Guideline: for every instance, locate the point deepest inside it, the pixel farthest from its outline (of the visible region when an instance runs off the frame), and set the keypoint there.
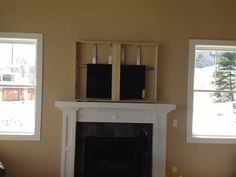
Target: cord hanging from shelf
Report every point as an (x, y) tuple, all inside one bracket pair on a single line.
[(110, 54), (138, 61), (94, 59), (122, 54)]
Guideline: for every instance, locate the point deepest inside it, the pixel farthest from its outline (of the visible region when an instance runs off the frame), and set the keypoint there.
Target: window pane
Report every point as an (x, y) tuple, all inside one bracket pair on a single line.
[(204, 70), (17, 110), (17, 66), (214, 117), (17, 88), (6, 54), (215, 70)]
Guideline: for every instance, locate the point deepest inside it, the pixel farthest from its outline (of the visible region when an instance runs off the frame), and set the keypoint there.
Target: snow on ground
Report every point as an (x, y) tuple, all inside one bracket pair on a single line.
[(213, 118), (17, 116)]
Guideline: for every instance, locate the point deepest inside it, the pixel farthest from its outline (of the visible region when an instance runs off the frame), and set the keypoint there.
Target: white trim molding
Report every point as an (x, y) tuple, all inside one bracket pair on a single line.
[(117, 113)]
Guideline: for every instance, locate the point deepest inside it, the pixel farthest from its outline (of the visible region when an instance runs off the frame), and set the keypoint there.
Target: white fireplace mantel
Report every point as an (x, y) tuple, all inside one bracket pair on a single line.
[(115, 112)]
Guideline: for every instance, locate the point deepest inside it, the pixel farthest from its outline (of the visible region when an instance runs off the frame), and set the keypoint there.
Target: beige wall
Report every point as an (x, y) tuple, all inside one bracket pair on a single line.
[(170, 22)]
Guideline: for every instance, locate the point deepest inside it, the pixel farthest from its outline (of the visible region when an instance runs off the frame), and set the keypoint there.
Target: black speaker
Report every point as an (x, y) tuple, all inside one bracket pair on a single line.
[(132, 85), (99, 81)]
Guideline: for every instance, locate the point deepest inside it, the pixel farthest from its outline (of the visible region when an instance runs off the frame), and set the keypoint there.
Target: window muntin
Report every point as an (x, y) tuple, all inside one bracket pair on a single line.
[(212, 92), (20, 86)]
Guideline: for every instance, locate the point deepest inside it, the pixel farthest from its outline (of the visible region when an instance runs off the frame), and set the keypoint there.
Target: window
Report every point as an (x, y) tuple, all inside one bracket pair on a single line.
[(211, 116), (20, 86)]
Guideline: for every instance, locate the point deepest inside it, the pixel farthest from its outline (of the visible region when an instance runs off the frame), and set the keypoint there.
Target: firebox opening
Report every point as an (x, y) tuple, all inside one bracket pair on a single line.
[(113, 150)]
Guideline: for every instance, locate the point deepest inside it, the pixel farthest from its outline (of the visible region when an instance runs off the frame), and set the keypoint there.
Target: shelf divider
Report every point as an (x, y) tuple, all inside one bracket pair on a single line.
[(116, 71)]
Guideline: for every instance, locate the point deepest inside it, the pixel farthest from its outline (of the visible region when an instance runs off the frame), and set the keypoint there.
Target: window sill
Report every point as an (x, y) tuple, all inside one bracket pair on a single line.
[(211, 140), (20, 137)]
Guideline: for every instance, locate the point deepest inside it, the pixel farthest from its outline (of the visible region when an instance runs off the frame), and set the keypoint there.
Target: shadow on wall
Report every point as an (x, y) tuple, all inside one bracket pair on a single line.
[(234, 162)]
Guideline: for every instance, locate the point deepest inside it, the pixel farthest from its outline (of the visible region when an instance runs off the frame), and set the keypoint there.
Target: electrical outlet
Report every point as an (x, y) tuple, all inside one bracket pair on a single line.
[(174, 170), (175, 123)]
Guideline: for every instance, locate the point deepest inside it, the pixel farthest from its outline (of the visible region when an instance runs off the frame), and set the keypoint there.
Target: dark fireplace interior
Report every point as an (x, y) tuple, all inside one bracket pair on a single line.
[(113, 150)]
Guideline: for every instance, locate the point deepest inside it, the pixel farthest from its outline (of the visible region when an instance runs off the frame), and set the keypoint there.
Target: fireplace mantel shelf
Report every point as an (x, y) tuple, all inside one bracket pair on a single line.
[(159, 108), (116, 112)]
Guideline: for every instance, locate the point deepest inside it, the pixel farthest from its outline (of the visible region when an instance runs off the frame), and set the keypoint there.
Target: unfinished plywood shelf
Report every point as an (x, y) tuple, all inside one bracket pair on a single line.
[(116, 54)]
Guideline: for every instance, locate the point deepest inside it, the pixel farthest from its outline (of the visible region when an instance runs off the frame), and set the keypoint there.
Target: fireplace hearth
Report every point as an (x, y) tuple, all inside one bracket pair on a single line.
[(104, 139)]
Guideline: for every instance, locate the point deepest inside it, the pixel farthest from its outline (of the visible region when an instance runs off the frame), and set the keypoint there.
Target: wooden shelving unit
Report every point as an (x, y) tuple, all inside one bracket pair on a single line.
[(127, 53)]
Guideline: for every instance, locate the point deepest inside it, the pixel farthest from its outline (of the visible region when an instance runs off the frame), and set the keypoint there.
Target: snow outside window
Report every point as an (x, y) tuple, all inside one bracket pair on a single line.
[(20, 86), (212, 92)]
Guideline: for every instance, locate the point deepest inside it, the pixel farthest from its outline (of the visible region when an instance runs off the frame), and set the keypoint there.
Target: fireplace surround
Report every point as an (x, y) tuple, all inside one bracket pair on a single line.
[(114, 112)]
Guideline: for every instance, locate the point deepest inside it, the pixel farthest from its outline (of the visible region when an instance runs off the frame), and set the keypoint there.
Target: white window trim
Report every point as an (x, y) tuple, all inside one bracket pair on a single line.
[(189, 136), (39, 75)]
